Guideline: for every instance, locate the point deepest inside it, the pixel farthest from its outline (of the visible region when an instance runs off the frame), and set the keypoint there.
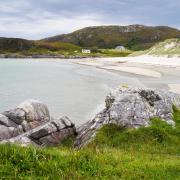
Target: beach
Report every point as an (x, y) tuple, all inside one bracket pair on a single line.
[(153, 72)]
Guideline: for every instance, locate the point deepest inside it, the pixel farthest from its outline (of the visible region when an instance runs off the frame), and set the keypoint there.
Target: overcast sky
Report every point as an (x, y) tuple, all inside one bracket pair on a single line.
[(35, 19)]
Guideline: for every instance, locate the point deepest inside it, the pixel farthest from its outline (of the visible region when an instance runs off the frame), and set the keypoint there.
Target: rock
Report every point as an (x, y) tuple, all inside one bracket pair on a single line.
[(31, 112), (4, 120), (16, 115), (8, 132), (28, 115), (130, 108), (49, 134), (30, 123), (35, 111)]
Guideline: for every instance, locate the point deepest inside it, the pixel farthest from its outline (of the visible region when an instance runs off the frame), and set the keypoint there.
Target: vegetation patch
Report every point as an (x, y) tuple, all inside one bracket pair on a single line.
[(170, 47), (115, 153)]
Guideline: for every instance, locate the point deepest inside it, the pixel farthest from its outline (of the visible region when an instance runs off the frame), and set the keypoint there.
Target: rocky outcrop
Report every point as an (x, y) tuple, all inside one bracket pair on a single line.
[(130, 108), (49, 134), (25, 117), (30, 123)]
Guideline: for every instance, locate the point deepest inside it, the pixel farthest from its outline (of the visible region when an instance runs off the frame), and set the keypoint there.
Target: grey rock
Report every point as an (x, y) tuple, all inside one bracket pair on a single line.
[(131, 107), (35, 111), (6, 121), (31, 124), (8, 132), (28, 115), (16, 115), (50, 134), (57, 137)]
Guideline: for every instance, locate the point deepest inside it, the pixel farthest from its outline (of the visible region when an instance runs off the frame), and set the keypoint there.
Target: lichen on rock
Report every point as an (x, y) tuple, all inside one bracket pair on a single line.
[(131, 107)]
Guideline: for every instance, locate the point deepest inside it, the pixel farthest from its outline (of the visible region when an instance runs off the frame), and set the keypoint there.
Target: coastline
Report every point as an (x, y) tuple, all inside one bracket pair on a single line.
[(14, 56), (152, 72), (150, 68)]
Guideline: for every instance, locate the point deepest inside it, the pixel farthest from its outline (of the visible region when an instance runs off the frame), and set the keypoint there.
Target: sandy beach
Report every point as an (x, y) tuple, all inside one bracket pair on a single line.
[(153, 72)]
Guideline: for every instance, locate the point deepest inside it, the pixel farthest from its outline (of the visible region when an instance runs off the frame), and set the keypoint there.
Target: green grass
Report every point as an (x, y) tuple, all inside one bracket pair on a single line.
[(62, 49), (114, 53), (116, 153)]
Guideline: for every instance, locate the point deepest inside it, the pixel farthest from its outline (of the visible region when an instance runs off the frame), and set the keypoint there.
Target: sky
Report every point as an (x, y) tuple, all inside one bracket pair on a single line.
[(36, 19)]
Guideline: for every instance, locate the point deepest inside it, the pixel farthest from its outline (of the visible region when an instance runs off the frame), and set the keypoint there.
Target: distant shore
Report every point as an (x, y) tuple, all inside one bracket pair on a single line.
[(10, 56)]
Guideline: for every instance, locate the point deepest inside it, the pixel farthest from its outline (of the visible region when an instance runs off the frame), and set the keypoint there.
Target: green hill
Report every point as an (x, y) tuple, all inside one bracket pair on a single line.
[(17, 46), (101, 39), (14, 44), (116, 153), (135, 37), (13, 47)]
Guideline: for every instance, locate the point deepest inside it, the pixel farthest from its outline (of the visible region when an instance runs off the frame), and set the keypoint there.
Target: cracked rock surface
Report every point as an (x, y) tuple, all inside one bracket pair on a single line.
[(132, 107), (30, 123)]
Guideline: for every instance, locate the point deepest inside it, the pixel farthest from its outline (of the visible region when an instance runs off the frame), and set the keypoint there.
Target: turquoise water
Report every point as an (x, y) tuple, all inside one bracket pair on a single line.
[(68, 89)]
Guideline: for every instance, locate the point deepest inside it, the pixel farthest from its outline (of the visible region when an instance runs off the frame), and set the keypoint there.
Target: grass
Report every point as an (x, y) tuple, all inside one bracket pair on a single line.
[(114, 52), (64, 50), (161, 49), (115, 153), (41, 50)]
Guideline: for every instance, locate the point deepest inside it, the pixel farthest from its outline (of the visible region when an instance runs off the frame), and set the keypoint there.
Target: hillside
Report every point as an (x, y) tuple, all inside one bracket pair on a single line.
[(17, 48), (14, 44), (14, 47), (170, 47), (135, 37), (101, 39)]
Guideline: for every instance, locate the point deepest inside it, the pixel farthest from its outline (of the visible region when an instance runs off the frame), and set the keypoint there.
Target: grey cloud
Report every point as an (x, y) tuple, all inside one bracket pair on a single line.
[(35, 19)]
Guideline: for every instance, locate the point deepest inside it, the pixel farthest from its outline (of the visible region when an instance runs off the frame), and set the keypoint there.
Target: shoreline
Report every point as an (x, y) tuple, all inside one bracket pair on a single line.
[(152, 72), (148, 68)]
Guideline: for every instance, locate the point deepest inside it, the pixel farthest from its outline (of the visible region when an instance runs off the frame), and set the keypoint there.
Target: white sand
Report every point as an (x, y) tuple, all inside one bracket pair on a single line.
[(135, 70), (156, 67), (117, 64), (146, 59), (174, 88)]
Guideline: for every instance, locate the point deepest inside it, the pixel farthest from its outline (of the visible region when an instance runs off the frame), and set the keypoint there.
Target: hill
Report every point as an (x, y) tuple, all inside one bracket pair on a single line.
[(15, 47), (135, 37), (101, 39), (14, 44)]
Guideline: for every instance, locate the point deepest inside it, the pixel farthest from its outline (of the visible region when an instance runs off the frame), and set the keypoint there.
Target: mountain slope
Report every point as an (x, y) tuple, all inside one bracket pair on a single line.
[(14, 44), (136, 37), (10, 46)]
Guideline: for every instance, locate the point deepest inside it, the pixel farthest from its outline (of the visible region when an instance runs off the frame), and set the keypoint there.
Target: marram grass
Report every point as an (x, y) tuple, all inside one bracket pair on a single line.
[(115, 153)]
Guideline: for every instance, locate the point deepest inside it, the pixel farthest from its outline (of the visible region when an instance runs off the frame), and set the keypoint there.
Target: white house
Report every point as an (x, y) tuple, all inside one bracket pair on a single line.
[(121, 48), (86, 51)]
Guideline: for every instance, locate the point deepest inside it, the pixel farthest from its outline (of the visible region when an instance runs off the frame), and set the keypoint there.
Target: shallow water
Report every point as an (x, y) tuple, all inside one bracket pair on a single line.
[(68, 89)]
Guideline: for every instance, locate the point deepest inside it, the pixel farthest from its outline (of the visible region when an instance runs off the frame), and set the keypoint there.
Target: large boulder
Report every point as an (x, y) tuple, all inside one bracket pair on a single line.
[(130, 108), (28, 115), (49, 134)]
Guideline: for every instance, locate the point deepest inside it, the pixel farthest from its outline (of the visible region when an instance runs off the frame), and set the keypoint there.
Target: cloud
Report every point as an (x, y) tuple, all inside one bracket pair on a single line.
[(45, 25), (35, 19)]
